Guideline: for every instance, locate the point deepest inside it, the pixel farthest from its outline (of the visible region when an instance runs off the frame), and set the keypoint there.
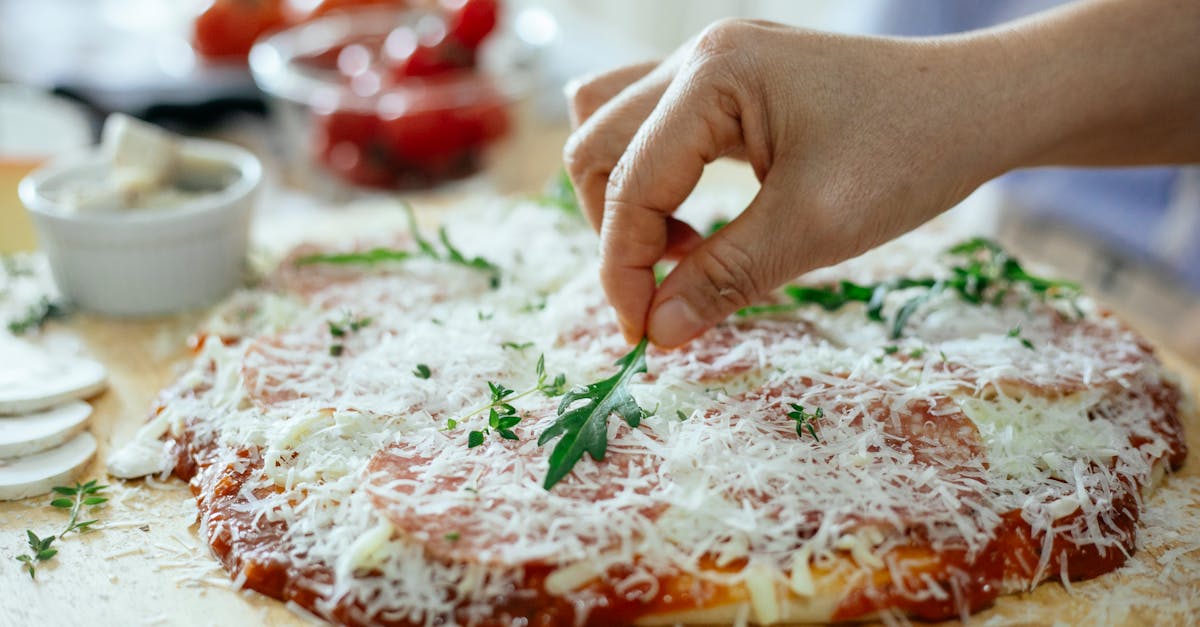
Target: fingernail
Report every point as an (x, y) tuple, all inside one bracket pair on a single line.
[(674, 322)]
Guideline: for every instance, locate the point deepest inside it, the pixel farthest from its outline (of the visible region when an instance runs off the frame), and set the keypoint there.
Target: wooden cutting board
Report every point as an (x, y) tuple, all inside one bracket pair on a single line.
[(144, 563)]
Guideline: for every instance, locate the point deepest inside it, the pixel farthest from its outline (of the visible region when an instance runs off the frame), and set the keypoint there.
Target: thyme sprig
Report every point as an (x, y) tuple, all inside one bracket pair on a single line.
[(39, 551), (583, 426), (81, 495), (502, 415), (804, 420), (984, 275), (425, 248)]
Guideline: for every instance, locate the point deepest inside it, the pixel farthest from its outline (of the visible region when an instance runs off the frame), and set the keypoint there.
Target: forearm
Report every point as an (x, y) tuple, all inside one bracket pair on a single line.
[(1097, 83)]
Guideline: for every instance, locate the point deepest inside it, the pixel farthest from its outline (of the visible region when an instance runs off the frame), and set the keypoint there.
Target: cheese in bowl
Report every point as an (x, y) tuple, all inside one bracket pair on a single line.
[(146, 223)]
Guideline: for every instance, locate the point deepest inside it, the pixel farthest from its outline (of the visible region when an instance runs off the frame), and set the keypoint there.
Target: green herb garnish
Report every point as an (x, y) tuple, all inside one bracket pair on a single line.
[(560, 194), (515, 346), (984, 275), (502, 416), (82, 495), (422, 371), (716, 225), (804, 419), (1015, 332), (583, 427), (340, 329), (39, 551), (425, 248), (37, 316)]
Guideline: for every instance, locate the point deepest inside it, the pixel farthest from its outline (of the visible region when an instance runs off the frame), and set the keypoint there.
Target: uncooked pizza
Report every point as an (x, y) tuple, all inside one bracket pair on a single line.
[(446, 427)]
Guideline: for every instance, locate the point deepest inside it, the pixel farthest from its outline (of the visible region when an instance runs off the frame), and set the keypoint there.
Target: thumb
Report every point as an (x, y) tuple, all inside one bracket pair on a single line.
[(743, 261)]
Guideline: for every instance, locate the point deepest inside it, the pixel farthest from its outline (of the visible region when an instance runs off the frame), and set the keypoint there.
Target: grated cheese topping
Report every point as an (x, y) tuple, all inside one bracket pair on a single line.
[(931, 443)]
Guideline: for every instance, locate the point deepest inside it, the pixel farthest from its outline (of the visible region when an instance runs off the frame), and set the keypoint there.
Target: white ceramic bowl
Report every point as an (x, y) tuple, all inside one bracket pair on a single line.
[(147, 261)]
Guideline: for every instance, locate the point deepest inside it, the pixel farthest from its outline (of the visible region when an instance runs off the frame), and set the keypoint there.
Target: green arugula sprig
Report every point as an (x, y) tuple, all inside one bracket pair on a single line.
[(425, 248), (81, 495), (583, 427), (984, 275), (37, 316), (502, 416), (805, 420), (39, 551)]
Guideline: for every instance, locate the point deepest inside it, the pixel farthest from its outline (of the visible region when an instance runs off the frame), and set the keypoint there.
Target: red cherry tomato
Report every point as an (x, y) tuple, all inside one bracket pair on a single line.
[(226, 29), (348, 144), (471, 21)]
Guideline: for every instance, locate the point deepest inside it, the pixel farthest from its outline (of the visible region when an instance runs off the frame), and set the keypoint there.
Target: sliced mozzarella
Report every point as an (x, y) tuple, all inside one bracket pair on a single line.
[(33, 379), (33, 433), (36, 474)]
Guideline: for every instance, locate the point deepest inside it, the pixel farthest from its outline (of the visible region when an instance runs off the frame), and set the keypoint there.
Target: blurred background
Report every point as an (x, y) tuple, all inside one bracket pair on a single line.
[(466, 97)]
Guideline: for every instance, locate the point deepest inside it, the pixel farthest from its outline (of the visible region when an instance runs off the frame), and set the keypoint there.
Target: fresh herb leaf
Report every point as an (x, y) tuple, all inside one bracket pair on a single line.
[(916, 353), (984, 274), (583, 427), (716, 225), (891, 350), (1015, 332), (804, 419), (560, 194), (680, 415), (339, 329), (84, 495), (425, 248), (39, 551), (422, 371), (550, 387), (37, 316), (453, 536), (515, 346), (502, 415)]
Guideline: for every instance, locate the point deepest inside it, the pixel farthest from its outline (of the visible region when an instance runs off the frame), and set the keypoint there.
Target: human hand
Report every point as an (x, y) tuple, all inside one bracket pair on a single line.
[(854, 140)]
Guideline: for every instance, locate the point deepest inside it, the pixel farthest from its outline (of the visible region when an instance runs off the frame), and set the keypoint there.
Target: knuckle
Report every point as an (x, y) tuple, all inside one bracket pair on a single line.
[(578, 154), (721, 36), (730, 282), (587, 95)]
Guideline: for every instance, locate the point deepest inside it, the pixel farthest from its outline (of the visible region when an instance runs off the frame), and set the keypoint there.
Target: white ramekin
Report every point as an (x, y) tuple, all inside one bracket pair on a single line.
[(147, 261)]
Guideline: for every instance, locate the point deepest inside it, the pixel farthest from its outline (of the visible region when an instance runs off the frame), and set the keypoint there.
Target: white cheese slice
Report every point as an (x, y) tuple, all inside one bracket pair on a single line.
[(33, 433), (33, 379), (36, 474)]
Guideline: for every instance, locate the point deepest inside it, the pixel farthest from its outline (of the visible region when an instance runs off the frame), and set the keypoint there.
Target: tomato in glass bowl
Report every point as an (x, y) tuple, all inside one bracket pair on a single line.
[(395, 100)]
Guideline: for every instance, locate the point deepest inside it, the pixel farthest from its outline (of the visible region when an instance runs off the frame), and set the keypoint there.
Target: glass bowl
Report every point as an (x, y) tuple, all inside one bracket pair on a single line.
[(353, 114)]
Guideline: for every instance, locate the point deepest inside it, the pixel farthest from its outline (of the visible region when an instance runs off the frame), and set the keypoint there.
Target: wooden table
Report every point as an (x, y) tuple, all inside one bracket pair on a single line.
[(144, 564)]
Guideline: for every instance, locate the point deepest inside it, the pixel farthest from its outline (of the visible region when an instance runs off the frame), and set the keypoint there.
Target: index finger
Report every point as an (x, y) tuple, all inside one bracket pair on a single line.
[(693, 124)]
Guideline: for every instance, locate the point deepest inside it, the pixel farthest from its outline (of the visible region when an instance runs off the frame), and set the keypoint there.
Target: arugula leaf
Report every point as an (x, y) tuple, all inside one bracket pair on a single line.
[(583, 427), (425, 248), (985, 275)]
